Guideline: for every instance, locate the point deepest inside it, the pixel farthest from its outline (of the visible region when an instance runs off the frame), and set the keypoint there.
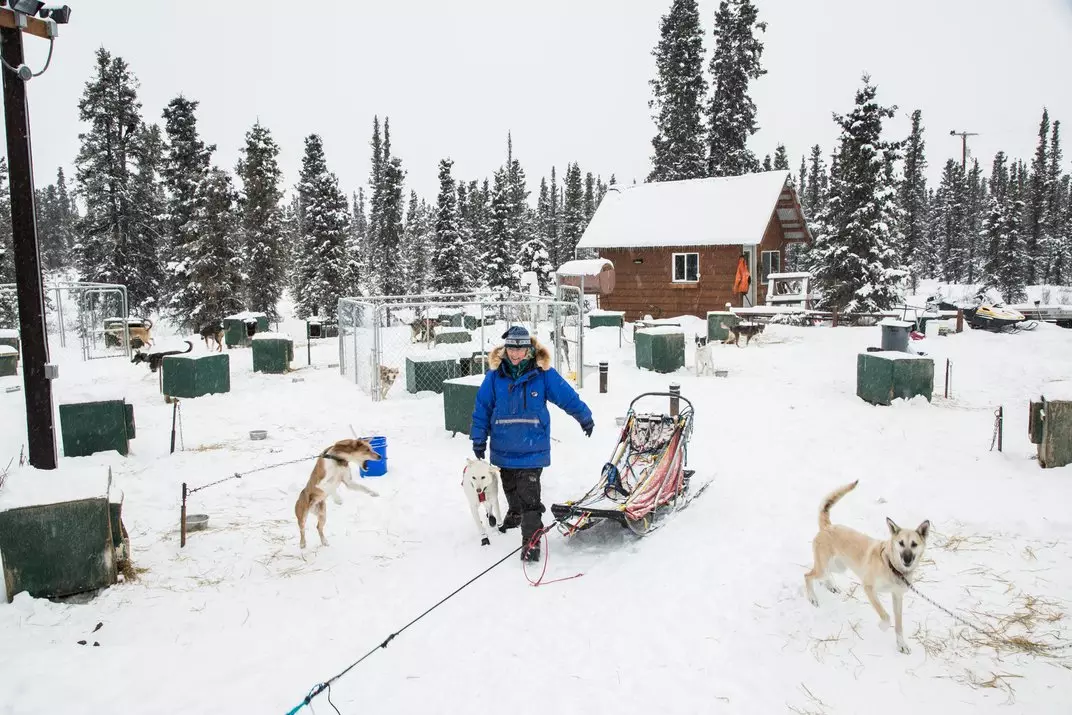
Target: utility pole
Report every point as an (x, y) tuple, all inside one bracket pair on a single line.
[(36, 370), (963, 146)]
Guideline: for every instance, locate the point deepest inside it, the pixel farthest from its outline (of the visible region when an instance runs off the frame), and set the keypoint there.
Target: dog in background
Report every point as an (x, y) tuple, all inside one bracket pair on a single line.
[(212, 330), (155, 359), (388, 375), (880, 565), (423, 330), (743, 327), (480, 480), (705, 364), (331, 470), (141, 335)]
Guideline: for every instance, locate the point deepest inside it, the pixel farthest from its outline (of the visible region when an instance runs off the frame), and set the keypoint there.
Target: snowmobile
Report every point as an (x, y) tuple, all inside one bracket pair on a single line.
[(645, 477), (987, 312)]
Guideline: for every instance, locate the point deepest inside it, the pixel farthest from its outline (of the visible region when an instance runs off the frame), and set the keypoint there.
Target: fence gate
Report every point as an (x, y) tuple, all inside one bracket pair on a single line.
[(392, 344)]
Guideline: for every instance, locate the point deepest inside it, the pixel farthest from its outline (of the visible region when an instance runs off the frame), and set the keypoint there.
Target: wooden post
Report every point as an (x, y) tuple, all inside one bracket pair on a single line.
[(174, 414), (1000, 426), (40, 425), (675, 390), (182, 519), (834, 318), (948, 365), (960, 320), (603, 367)]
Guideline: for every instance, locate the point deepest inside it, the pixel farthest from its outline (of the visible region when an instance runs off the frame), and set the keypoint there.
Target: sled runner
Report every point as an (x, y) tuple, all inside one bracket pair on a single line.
[(645, 477)]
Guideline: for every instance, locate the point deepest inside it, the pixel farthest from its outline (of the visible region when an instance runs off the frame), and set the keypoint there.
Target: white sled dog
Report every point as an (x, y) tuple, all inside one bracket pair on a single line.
[(880, 565), (705, 365), (480, 480)]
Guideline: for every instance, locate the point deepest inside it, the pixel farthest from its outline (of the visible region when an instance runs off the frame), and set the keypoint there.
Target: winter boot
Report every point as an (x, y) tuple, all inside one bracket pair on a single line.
[(512, 520), (532, 554)]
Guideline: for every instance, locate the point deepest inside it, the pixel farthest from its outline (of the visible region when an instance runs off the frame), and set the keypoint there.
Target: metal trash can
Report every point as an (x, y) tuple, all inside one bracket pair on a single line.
[(895, 335)]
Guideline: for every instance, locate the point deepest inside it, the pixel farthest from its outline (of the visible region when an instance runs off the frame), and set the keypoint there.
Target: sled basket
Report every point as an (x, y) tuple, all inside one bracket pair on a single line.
[(645, 477)]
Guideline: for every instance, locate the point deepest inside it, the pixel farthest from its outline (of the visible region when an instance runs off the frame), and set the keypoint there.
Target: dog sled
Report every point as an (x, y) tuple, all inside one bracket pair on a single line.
[(645, 478)]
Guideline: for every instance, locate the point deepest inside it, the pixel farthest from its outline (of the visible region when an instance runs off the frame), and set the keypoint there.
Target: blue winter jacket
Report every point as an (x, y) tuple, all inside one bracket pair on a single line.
[(514, 412)]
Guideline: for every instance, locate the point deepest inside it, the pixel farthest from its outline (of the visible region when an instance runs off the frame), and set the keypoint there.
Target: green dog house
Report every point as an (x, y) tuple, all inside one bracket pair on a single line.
[(196, 375), (661, 349), (884, 376)]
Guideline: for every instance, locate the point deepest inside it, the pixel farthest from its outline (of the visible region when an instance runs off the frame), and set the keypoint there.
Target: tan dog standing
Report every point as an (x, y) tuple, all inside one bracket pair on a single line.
[(332, 469), (880, 565)]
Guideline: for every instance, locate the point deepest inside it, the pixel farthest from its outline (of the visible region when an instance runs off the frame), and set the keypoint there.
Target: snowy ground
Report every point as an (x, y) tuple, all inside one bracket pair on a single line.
[(705, 615)]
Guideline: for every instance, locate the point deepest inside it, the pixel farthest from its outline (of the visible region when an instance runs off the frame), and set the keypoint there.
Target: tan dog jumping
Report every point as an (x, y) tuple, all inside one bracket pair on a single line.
[(880, 565), (332, 469)]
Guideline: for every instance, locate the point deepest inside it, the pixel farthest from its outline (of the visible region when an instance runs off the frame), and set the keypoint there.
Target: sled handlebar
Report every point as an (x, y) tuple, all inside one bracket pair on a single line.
[(662, 394)]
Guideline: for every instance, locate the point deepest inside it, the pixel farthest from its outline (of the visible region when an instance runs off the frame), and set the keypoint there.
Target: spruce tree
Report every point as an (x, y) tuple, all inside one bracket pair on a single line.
[(974, 206), (479, 241), (186, 168), (213, 263), (415, 250), (913, 198), (573, 219), (1052, 240), (734, 63), (148, 225), (388, 261), (110, 107), (1035, 213), (589, 197), (325, 224), (356, 246), (678, 91), (802, 177), (449, 246), (500, 254), (781, 158), (855, 259), (554, 221), (9, 308), (261, 221), (370, 269), (951, 223)]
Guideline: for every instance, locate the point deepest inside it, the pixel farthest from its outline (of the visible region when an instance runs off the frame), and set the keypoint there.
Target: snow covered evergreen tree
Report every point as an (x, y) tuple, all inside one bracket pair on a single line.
[(1035, 214), (449, 246), (325, 224), (734, 63), (573, 219), (950, 223), (554, 221), (781, 158), (974, 206), (478, 242), (356, 245), (55, 224), (213, 263), (913, 198), (392, 206), (416, 248), (855, 258), (1052, 239), (370, 269), (678, 92), (110, 106), (186, 168), (262, 221), (148, 224), (589, 197), (1006, 266)]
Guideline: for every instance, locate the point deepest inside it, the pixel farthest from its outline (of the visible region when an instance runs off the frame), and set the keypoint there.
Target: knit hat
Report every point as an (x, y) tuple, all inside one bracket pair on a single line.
[(517, 337)]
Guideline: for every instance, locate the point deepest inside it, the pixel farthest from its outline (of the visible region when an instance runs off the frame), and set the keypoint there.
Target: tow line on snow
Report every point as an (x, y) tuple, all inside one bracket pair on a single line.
[(326, 685), (988, 633)]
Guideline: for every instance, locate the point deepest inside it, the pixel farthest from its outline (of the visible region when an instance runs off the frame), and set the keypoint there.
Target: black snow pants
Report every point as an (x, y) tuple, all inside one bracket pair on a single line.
[(522, 489)]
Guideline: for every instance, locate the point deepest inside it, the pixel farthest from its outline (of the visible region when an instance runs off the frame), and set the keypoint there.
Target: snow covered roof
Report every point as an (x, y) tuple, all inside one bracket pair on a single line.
[(722, 211), (583, 267)]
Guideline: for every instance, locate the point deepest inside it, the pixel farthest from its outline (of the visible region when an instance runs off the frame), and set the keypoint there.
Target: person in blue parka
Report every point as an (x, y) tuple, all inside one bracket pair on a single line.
[(511, 409)]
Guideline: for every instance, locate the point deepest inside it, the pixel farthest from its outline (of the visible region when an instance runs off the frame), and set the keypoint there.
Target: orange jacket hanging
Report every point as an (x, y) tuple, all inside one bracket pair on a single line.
[(743, 279)]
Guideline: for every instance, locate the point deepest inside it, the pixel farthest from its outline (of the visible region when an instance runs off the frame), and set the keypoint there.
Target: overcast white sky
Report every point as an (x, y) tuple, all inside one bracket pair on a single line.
[(569, 78)]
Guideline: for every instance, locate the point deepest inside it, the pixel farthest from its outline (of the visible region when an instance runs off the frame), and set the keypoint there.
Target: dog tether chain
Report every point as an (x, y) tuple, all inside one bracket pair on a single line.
[(960, 619)]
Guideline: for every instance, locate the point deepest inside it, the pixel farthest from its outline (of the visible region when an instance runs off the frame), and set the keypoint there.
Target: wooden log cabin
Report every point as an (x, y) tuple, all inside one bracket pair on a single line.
[(675, 245)]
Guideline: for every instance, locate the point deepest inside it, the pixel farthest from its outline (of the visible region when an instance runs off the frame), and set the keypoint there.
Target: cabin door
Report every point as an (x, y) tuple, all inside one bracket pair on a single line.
[(750, 260)]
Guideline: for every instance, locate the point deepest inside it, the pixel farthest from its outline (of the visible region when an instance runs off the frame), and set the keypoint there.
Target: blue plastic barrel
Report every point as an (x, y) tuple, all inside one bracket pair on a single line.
[(379, 468)]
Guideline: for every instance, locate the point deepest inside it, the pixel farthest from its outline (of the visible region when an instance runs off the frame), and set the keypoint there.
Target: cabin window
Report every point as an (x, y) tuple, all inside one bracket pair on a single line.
[(772, 263), (686, 267)]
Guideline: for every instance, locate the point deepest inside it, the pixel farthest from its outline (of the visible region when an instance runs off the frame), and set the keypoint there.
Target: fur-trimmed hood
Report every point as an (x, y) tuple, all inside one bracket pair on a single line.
[(543, 356)]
